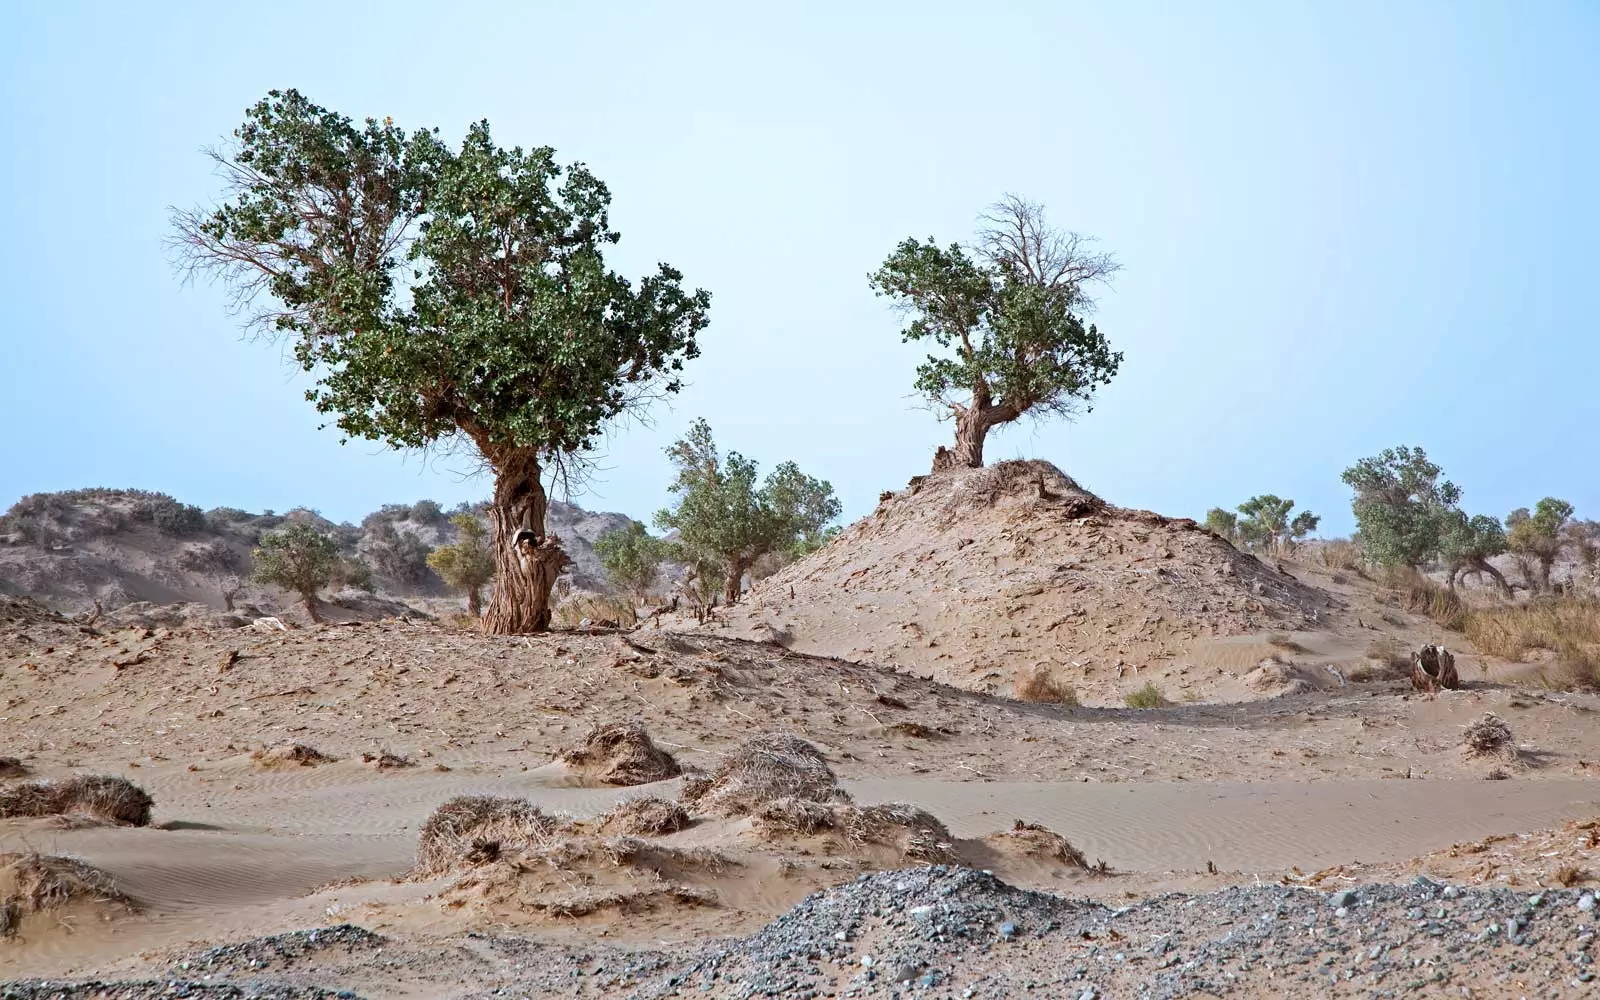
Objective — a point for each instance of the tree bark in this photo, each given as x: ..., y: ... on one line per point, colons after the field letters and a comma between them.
x: 309, y: 601
x: 734, y: 585
x: 475, y: 602
x: 1499, y: 578
x: 973, y: 424
x: 527, y: 561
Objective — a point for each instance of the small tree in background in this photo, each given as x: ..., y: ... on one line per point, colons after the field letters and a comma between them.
x: 1224, y: 524
x: 467, y: 564
x: 1538, y: 538
x: 723, y: 517
x: 1262, y: 524
x: 1467, y: 546
x: 298, y: 558
x: 1009, y: 312
x: 396, y: 555
x: 1401, y: 506
x: 632, y: 559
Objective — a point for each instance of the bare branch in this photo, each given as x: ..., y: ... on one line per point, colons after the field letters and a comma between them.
x: 1016, y: 238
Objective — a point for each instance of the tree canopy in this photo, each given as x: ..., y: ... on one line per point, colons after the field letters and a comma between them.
x: 1539, y: 536
x: 1262, y: 523
x: 466, y: 564
x: 632, y: 558
x: 1467, y: 545
x: 723, y: 517
x: 1007, y: 314
x: 1401, y: 505
x: 442, y: 294
x: 298, y: 558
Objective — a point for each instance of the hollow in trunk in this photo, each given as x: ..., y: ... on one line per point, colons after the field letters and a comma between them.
x: 527, y: 561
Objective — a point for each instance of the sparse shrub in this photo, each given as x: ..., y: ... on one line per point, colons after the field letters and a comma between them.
x: 426, y: 512
x: 208, y: 557
x: 99, y: 797
x: 632, y: 559
x: 394, y: 554
x: 37, y: 883
x: 466, y: 564
x: 604, y: 610
x: 1341, y: 554
x: 298, y: 558
x: 173, y: 518
x: 1148, y: 696
x: 1489, y: 737
x: 1420, y: 595
x: 1043, y: 686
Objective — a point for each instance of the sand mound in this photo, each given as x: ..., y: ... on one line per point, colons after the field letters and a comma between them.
x: 37, y: 883
x: 472, y: 830
x: 979, y: 577
x: 1031, y: 840
x: 761, y: 771
x: 914, y: 834
x: 621, y: 754
x: 97, y: 797
x: 290, y: 755
x: 646, y: 815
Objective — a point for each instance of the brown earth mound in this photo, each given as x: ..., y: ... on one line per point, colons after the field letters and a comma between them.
x: 761, y: 771
x: 37, y: 883
x: 646, y: 815
x: 621, y: 754
x: 101, y: 798
x: 978, y: 577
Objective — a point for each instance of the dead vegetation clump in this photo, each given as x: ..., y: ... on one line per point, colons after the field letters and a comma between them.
x: 471, y: 830
x: 12, y: 767
x: 760, y: 771
x: 289, y: 755
x: 1569, y: 627
x: 1420, y: 595
x: 101, y: 798
x: 1034, y: 840
x: 1489, y: 737
x: 595, y: 611
x: 1341, y: 554
x: 1044, y: 687
x: 383, y: 760
x: 913, y: 833
x: 644, y: 816
x: 621, y: 754
x: 1387, y: 662
x: 1569, y: 875
x: 35, y: 883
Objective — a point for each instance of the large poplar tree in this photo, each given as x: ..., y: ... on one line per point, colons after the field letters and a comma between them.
x: 444, y: 295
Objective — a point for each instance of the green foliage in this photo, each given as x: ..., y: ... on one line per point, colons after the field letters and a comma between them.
x: 468, y: 563
x: 1468, y: 540
x: 632, y: 558
x: 351, y: 573
x: 1006, y: 315
x: 1224, y: 524
x: 723, y: 516
x: 426, y: 512
x: 395, y: 555
x: 1539, y: 536
x: 1401, y: 506
x: 434, y: 291
x: 1148, y: 696
x: 1262, y: 524
x: 298, y: 558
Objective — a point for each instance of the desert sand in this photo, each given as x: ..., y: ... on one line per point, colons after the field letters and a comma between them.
x: 293, y: 772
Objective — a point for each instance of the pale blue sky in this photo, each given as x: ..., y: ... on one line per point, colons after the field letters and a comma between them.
x: 1344, y: 226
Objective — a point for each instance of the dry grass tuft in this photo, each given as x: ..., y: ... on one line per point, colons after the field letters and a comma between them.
x: 34, y: 883
x: 471, y: 830
x: 1341, y: 554
x: 622, y: 754
x: 1044, y: 687
x: 1566, y: 626
x: 1420, y: 595
x: 1570, y: 875
x: 598, y: 610
x: 645, y: 816
x: 1389, y: 662
x: 98, y: 797
x: 290, y: 755
x: 1489, y: 737
x: 762, y: 770
x: 1148, y: 696
x: 11, y: 767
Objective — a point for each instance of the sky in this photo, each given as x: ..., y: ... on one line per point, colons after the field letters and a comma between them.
x: 1342, y: 226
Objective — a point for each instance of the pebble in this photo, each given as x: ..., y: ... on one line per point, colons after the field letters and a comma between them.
x: 1343, y: 899
x: 1586, y: 902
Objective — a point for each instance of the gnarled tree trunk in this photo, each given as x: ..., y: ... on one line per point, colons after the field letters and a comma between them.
x: 734, y: 585
x: 973, y: 424
x: 475, y: 602
x: 309, y: 602
x: 527, y: 561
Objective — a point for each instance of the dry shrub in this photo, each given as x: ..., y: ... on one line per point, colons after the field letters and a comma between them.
x: 383, y: 760
x: 471, y: 830
x: 622, y: 754
x: 1148, y: 696
x: 1390, y: 662
x: 1489, y: 737
x: 1036, y: 841
x: 915, y: 834
x: 1341, y: 554
x: 98, y: 797
x: 760, y: 771
x: 1570, y: 875
x: 1044, y: 687
x: 1285, y: 642
x: 1420, y: 595
x: 646, y: 816
x: 599, y: 610
x: 1567, y: 626
x: 11, y: 767
x: 33, y: 883
x: 290, y: 755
